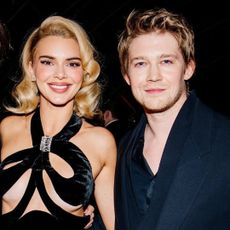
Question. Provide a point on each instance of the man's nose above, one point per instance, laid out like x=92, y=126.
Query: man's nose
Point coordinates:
x=154, y=73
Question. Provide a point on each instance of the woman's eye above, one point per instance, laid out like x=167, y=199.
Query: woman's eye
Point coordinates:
x=46, y=62
x=74, y=64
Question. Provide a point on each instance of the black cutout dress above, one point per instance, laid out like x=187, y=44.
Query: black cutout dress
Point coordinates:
x=76, y=190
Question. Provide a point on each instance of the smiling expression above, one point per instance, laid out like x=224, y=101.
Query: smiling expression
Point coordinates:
x=157, y=71
x=58, y=70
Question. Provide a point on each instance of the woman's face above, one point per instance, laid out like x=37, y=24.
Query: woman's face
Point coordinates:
x=57, y=70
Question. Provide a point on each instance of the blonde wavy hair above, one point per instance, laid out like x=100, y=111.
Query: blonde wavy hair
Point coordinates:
x=160, y=21
x=25, y=93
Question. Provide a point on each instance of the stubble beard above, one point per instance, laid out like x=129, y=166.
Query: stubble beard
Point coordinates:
x=162, y=105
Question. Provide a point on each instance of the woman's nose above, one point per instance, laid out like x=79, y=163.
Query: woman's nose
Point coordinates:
x=60, y=73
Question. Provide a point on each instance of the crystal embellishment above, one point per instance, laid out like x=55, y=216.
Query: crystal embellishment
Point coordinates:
x=45, y=144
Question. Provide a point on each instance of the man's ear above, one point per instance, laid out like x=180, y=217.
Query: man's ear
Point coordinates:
x=106, y=114
x=190, y=69
x=126, y=77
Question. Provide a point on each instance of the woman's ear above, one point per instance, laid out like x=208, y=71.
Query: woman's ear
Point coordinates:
x=32, y=75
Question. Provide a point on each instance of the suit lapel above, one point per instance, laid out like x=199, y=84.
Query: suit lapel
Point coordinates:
x=190, y=175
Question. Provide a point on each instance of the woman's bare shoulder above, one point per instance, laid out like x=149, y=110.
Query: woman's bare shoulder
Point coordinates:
x=96, y=139
x=13, y=124
x=11, y=120
x=100, y=134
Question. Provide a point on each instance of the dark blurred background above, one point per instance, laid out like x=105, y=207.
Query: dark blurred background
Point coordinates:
x=104, y=20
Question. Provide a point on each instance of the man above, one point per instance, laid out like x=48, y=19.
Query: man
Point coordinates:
x=173, y=170
x=118, y=116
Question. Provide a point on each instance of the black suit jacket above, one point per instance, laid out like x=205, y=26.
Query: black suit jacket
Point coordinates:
x=193, y=189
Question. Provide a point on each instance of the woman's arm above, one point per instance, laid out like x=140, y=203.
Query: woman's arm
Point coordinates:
x=104, y=183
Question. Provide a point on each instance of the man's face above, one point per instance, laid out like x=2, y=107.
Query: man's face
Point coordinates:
x=157, y=71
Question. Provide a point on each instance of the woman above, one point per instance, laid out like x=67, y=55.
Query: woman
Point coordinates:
x=52, y=160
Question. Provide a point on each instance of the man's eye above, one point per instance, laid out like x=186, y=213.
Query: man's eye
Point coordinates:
x=140, y=64
x=167, y=61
